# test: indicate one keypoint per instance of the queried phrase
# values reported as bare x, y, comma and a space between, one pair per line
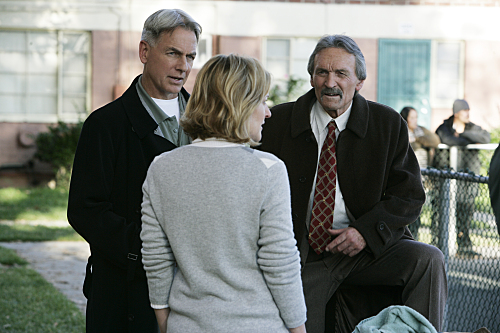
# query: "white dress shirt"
319, 125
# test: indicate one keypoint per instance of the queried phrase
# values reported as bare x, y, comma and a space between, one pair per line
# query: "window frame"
59, 114
290, 58
202, 59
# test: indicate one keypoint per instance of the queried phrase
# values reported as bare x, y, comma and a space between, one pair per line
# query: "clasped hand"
348, 241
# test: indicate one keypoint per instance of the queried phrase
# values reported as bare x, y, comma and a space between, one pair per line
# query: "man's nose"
330, 80
182, 64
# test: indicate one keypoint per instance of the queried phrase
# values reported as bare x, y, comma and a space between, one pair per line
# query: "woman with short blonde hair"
220, 213
224, 100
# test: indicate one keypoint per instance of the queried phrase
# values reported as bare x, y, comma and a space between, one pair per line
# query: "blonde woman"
220, 212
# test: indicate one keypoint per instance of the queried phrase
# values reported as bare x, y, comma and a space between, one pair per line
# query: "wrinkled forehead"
335, 59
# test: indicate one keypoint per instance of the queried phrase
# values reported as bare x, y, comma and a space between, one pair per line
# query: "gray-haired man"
117, 144
355, 186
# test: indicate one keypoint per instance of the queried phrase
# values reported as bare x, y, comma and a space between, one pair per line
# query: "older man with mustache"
355, 186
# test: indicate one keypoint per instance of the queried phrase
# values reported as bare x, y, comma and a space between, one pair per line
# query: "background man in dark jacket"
458, 130
374, 184
117, 144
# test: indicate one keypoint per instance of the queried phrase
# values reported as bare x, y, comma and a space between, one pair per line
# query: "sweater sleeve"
157, 256
278, 257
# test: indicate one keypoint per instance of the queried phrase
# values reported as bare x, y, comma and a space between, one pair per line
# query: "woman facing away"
218, 243
422, 140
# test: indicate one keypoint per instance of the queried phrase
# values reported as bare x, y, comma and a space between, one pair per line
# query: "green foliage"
34, 204
57, 147
28, 303
287, 91
486, 155
495, 135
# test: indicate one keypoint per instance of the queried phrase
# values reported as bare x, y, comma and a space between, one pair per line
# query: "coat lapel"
358, 119
141, 121
301, 114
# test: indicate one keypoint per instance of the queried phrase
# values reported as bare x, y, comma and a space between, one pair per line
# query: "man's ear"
144, 50
360, 85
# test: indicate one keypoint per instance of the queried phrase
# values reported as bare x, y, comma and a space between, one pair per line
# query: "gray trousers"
416, 267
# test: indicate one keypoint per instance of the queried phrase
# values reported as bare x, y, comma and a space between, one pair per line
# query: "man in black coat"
377, 192
117, 144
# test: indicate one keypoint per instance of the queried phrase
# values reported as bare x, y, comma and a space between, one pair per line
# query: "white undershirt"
169, 106
319, 125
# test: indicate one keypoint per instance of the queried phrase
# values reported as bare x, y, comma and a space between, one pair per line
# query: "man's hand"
348, 241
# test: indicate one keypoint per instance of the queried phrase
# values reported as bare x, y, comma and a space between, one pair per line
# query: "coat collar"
141, 121
301, 115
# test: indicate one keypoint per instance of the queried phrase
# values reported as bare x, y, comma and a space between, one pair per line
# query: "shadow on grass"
38, 233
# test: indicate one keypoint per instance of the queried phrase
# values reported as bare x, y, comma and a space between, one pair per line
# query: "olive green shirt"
168, 127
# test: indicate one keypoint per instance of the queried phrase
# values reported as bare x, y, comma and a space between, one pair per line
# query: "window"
288, 57
204, 51
44, 76
447, 83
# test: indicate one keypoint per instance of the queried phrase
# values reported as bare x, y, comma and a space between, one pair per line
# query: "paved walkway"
61, 263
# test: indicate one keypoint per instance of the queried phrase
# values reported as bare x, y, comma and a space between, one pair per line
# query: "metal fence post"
444, 214
452, 222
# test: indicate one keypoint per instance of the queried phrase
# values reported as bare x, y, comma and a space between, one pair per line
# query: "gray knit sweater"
221, 212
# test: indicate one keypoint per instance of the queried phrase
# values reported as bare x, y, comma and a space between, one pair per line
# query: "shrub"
286, 91
57, 147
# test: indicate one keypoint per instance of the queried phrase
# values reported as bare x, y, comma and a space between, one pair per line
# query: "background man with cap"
458, 130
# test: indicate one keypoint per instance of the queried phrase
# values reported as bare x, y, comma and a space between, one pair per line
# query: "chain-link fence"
472, 158
457, 217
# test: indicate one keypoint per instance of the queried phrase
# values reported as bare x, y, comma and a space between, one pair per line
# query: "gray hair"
167, 20
340, 42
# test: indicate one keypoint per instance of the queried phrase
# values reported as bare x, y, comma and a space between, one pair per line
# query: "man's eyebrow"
171, 48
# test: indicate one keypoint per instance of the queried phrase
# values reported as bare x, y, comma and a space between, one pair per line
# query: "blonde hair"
227, 90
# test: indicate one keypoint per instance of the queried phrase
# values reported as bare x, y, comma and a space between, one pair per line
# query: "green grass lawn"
34, 204
28, 303
40, 203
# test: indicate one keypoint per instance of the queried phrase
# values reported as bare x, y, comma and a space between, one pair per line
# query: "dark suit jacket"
378, 172
116, 146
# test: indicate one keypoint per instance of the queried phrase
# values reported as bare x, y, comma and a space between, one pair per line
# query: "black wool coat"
117, 144
378, 172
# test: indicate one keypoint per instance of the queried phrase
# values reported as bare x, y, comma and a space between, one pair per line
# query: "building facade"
62, 59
